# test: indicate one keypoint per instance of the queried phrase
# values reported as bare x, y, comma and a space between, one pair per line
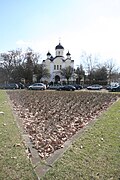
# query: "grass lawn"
14, 164
95, 154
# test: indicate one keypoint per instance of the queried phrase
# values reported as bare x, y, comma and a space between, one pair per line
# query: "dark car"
66, 88
115, 89
54, 87
9, 86
20, 85
2, 86
95, 87
108, 87
78, 86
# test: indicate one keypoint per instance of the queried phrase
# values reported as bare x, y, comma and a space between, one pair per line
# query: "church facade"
55, 64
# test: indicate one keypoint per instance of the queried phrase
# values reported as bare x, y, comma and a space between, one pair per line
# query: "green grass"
14, 164
95, 154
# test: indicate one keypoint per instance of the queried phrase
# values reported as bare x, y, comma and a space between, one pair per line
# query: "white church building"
55, 64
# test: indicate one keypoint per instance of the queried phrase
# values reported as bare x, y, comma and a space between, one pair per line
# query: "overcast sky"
81, 25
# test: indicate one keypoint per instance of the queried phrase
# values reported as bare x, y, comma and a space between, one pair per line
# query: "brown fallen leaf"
81, 147
13, 157
2, 113
17, 145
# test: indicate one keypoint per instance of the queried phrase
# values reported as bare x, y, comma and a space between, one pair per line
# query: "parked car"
78, 86
95, 87
37, 86
66, 88
20, 85
54, 87
108, 87
115, 89
9, 86
2, 86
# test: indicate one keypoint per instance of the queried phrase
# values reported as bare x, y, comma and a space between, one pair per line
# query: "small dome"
51, 57
59, 46
68, 54
48, 54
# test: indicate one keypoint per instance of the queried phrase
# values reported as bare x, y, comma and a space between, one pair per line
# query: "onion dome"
48, 54
59, 46
68, 54
51, 58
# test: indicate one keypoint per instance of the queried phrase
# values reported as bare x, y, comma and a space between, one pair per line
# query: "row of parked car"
115, 88
41, 86
91, 87
65, 87
12, 86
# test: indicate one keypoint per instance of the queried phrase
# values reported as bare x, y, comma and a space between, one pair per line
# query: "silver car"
37, 86
95, 87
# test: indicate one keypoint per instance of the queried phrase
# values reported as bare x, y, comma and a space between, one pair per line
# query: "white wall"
59, 52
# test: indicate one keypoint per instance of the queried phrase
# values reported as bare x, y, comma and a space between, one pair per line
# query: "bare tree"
67, 73
89, 63
112, 70
80, 73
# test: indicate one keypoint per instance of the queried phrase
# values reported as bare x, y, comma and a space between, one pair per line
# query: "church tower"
68, 55
59, 49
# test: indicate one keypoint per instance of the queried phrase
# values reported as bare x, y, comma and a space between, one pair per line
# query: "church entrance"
57, 79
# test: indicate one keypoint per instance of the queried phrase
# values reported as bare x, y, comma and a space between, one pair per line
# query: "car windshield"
95, 85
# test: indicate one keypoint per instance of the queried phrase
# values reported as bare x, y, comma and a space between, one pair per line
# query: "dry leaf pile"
51, 118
